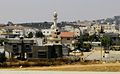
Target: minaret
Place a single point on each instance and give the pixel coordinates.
(54, 26)
(55, 19)
(55, 34)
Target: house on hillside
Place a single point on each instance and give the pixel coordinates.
(67, 38)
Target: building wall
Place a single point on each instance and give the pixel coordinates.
(39, 52)
(46, 32)
(106, 27)
(77, 32)
(28, 30)
(19, 32)
(15, 47)
(67, 41)
(39, 49)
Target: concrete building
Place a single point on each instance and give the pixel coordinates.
(27, 30)
(53, 47)
(17, 32)
(53, 51)
(76, 30)
(67, 28)
(12, 31)
(83, 29)
(67, 38)
(46, 32)
(54, 37)
(106, 27)
(34, 48)
(110, 28)
(19, 48)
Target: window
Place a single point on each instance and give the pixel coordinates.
(68, 45)
(57, 30)
(42, 55)
(30, 55)
(68, 38)
(56, 36)
(28, 48)
(56, 41)
(15, 48)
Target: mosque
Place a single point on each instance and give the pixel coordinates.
(54, 37)
(29, 49)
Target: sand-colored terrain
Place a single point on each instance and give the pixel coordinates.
(106, 67)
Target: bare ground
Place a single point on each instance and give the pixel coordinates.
(106, 67)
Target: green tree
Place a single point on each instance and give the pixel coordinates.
(39, 34)
(3, 40)
(2, 57)
(30, 35)
(87, 46)
(80, 40)
(105, 41)
(86, 37)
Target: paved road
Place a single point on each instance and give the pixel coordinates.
(53, 72)
(112, 56)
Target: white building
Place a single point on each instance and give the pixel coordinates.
(46, 32)
(76, 31)
(110, 28)
(28, 30)
(54, 37)
(17, 32)
(106, 28)
(83, 29)
(67, 28)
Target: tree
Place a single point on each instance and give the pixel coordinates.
(86, 37)
(2, 57)
(9, 23)
(87, 46)
(3, 40)
(80, 40)
(95, 38)
(105, 41)
(30, 35)
(39, 34)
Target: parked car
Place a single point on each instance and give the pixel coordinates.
(107, 51)
(76, 50)
(82, 49)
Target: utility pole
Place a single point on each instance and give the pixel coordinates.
(101, 36)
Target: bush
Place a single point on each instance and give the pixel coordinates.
(2, 57)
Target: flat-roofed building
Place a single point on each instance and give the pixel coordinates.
(16, 47)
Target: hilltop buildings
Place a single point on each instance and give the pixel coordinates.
(57, 36)
(34, 48)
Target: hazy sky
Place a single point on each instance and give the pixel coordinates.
(68, 10)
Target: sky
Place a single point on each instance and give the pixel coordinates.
(21, 11)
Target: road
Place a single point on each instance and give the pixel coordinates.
(52, 72)
(96, 55)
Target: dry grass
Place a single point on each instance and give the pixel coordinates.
(109, 67)
(63, 66)
(79, 67)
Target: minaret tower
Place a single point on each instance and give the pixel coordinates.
(55, 19)
(55, 33)
(54, 26)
